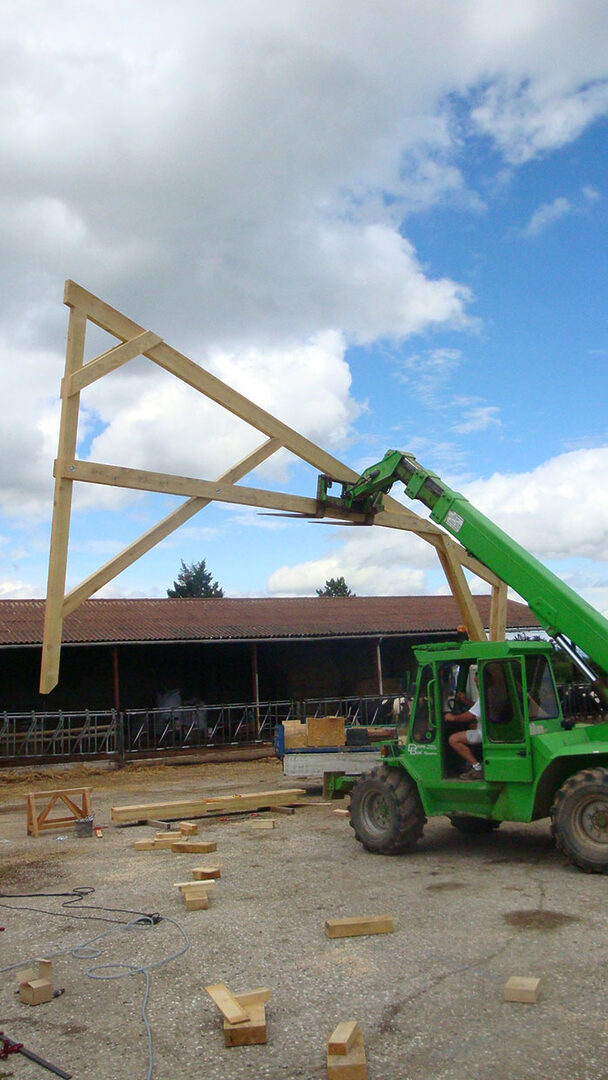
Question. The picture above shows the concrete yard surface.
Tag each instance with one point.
(468, 913)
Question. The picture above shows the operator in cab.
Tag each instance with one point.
(463, 741)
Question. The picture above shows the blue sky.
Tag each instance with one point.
(389, 230)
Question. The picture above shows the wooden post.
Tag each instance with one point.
(498, 612)
(461, 593)
(60, 531)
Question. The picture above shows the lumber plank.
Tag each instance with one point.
(254, 997)
(191, 808)
(343, 1037)
(356, 926)
(194, 886)
(227, 1003)
(205, 873)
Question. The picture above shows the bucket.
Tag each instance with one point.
(84, 826)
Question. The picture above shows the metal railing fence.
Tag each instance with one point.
(54, 736)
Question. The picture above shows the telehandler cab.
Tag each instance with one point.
(535, 762)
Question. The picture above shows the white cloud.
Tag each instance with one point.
(12, 588)
(533, 119)
(155, 421)
(236, 177)
(475, 417)
(557, 510)
(374, 562)
(546, 215)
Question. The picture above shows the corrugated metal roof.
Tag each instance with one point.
(238, 619)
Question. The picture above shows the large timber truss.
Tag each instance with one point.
(133, 341)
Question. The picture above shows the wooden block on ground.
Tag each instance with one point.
(343, 1037)
(349, 1066)
(284, 809)
(227, 1004)
(199, 847)
(342, 812)
(144, 845)
(326, 731)
(251, 1032)
(521, 988)
(188, 828)
(267, 823)
(160, 825)
(35, 992)
(354, 927)
(205, 873)
(196, 903)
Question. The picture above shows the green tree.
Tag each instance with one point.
(335, 586)
(195, 580)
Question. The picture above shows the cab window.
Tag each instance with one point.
(502, 699)
(423, 728)
(542, 699)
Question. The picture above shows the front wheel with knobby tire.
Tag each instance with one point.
(579, 820)
(386, 812)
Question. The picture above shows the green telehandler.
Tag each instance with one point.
(535, 763)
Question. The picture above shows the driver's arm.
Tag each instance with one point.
(467, 717)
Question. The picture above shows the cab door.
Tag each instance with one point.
(506, 735)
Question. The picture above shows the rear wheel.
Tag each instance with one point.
(466, 823)
(579, 820)
(386, 812)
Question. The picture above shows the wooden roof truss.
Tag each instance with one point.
(134, 340)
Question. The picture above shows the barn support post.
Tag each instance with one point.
(379, 674)
(255, 684)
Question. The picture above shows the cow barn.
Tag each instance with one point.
(127, 653)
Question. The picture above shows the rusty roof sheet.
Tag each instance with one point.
(238, 619)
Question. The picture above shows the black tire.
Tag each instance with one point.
(579, 820)
(386, 812)
(474, 826)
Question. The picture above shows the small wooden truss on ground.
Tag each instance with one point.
(134, 340)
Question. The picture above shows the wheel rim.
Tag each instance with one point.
(375, 812)
(591, 821)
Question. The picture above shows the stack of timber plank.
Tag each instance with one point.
(316, 732)
(197, 808)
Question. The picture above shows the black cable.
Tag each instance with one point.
(75, 897)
